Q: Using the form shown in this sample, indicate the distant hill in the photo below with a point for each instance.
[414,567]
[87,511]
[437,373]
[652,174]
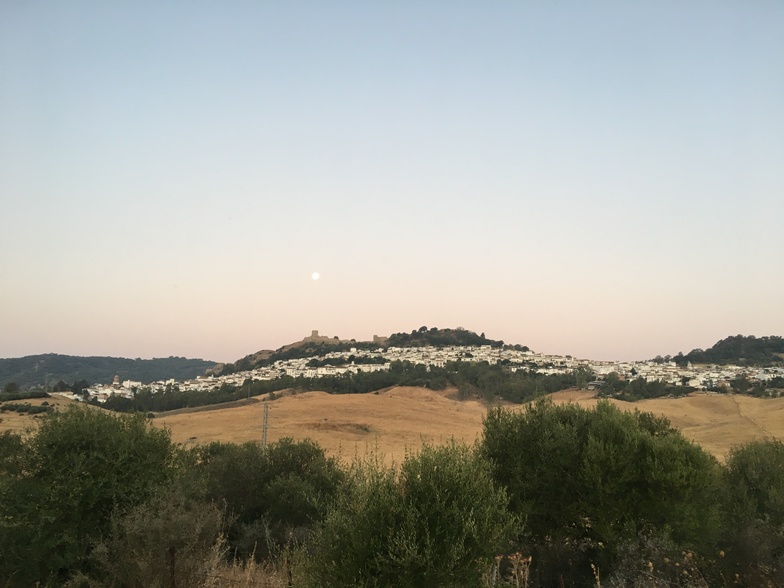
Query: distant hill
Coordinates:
[313,346]
[318,345]
[738,350]
[32,370]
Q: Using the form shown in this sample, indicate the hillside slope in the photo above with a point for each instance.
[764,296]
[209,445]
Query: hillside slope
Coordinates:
[400,419]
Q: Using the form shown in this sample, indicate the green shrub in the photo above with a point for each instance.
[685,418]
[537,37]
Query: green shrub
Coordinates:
[439,521]
[273,494]
[587,480]
[169,540]
[24,408]
[753,538]
[75,471]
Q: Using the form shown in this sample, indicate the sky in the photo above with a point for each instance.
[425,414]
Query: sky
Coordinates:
[594,178]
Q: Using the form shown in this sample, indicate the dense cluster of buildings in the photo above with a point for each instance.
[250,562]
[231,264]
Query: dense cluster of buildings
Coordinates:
[700,376]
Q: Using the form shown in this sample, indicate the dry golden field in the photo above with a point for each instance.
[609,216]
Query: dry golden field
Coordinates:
[398,420]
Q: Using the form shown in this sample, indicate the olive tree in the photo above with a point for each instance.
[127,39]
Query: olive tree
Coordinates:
[437,521]
[77,469]
[588,480]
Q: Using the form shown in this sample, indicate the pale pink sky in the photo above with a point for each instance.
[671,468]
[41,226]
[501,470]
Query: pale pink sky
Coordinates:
[589,179]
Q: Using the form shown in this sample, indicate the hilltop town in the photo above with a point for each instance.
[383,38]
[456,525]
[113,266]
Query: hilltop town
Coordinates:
[353,360]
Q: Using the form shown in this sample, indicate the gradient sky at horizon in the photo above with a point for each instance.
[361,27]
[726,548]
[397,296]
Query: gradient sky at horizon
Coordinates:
[600,179]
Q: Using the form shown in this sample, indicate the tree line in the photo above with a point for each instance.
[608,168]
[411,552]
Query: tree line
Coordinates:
[738,350]
[552,495]
[33,370]
[435,337]
[639,388]
[472,379]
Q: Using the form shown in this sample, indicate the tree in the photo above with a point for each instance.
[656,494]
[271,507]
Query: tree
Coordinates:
[741,384]
[437,522]
[588,479]
[11,388]
[274,494]
[168,540]
[754,513]
[78,468]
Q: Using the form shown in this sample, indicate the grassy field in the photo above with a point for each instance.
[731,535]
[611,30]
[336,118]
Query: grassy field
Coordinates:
[398,420]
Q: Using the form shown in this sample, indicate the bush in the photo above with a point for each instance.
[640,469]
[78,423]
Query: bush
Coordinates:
[75,471]
[753,537]
[24,408]
[273,494]
[169,540]
[439,521]
[586,480]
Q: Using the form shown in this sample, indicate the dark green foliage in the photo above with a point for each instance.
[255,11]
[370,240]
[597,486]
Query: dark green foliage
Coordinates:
[31,371]
[16,394]
[738,350]
[24,408]
[346,360]
[169,540]
[755,474]
[11,456]
[639,389]
[497,381]
[438,522]
[77,469]
[471,378]
[106,501]
[11,388]
[440,338]
[592,478]
[753,537]
[273,495]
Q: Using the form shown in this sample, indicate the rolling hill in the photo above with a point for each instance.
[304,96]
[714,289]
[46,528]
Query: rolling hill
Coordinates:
[35,370]
[400,419]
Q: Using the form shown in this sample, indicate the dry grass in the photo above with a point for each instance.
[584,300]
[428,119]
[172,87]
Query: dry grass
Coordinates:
[400,419]
[20,423]
[394,421]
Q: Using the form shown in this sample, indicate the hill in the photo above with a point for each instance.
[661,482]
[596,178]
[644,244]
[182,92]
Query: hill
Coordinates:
[400,419]
[35,370]
[319,345]
[738,350]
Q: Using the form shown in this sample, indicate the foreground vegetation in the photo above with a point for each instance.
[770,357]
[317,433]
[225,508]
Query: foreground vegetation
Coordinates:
[551,496]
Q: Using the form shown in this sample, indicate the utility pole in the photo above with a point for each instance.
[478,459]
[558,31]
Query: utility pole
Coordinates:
[264,425]
[46,384]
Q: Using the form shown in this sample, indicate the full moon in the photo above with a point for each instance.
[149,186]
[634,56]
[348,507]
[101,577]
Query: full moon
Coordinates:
[315,275]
